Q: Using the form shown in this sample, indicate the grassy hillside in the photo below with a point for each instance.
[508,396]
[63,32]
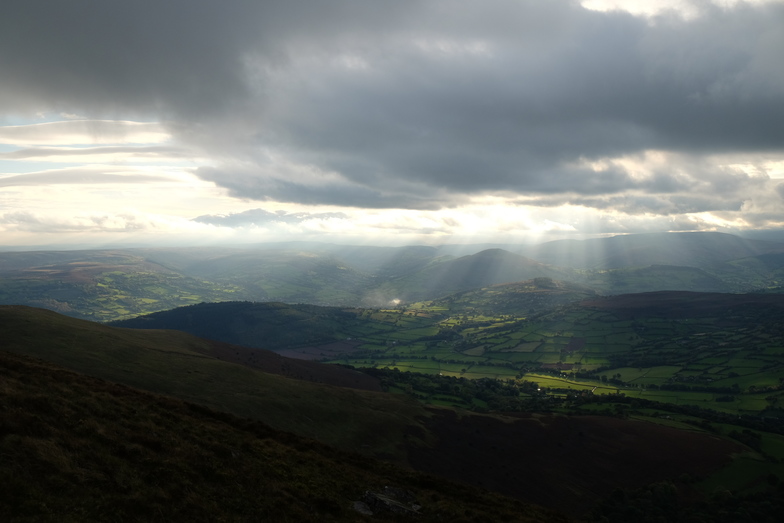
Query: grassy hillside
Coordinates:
[722,351]
[661,278]
[518,298]
[314,332]
[103,285]
[506,331]
[715,350]
[263,325]
[180,365]
[80,449]
[392,426]
[764,270]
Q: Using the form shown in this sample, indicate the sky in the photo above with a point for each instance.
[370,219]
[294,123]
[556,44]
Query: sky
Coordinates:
[195,122]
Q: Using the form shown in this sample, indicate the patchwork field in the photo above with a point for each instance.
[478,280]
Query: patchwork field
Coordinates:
[720,351]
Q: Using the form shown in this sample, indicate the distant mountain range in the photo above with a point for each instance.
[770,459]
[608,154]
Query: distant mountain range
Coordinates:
[688,249]
[114,284]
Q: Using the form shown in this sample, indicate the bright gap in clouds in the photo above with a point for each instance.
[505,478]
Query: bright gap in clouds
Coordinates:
[686,8]
[92,182]
[125,182]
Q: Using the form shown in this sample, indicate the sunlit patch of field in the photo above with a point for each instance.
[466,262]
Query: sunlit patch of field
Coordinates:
[553,382]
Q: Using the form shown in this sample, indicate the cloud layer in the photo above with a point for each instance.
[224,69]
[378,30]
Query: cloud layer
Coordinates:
[80,132]
[260,217]
[415,104]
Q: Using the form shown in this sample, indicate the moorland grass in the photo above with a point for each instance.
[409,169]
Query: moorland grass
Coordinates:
[80,449]
[168,362]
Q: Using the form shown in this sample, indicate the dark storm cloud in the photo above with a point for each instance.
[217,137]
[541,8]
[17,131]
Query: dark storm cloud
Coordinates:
[104,56]
[181,58]
[688,185]
[286,186]
[417,104]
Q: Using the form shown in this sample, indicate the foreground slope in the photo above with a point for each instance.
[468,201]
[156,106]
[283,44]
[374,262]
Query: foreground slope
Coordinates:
[180,365]
[533,459]
[568,462]
[81,449]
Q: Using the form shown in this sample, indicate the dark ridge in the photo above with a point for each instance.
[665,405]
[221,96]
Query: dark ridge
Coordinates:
[299,369]
[250,324]
[684,304]
[80,449]
[566,462]
[18,322]
[695,249]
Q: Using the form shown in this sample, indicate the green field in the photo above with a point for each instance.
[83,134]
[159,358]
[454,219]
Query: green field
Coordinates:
[693,360]
[696,373]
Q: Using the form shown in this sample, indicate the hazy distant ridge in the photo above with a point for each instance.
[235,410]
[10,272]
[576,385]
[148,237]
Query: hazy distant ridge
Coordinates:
[692,249]
[115,284]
